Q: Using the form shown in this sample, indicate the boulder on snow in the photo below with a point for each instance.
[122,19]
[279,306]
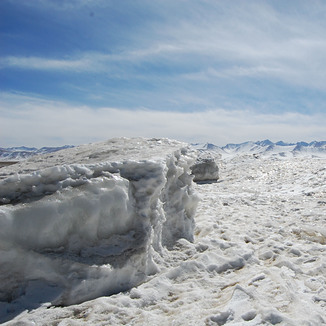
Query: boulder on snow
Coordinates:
[205,170]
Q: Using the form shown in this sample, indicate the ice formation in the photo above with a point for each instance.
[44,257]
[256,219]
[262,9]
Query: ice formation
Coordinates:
[93,220]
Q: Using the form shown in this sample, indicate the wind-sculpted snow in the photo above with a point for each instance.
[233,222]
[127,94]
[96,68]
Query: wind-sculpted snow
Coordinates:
[83,230]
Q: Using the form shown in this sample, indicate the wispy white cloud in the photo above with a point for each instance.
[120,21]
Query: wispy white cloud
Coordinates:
[27,120]
[214,40]
[255,40]
[36,63]
[79,63]
[180,55]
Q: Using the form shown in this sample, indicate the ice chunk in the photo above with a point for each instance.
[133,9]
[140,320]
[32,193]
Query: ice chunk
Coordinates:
[205,169]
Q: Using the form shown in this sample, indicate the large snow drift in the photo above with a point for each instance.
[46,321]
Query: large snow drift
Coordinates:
[92,220]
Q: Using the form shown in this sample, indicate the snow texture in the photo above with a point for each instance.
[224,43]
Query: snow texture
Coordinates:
[257,257]
[83,230]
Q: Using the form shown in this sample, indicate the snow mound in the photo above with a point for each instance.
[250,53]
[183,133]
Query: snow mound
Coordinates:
[92,220]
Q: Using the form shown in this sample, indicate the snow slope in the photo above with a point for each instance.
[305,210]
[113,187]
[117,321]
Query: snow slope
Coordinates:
[258,257]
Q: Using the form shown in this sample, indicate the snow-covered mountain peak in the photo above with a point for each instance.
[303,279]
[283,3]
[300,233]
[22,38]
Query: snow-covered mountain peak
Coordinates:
[268,148]
[265,142]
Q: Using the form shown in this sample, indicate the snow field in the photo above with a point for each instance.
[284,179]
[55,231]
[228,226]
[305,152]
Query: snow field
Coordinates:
[275,210]
[257,257]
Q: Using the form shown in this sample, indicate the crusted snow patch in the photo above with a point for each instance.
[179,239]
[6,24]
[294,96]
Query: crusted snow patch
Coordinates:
[97,224]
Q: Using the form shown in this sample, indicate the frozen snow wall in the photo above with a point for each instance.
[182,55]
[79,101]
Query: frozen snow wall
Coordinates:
[93,220]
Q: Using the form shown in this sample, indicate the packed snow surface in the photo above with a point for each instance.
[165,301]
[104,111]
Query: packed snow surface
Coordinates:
[258,257]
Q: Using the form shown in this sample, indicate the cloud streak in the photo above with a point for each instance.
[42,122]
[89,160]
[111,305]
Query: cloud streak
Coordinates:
[57,123]
[237,40]
[39,63]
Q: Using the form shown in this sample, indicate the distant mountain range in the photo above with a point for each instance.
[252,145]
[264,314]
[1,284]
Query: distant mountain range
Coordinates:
[22,152]
[267,148]
[258,148]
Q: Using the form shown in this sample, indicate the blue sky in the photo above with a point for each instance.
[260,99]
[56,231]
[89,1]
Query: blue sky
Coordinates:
[79,71]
